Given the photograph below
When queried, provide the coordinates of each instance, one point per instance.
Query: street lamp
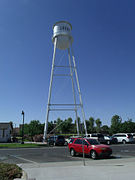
(23, 128)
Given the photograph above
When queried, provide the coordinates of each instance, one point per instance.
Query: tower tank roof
(63, 22)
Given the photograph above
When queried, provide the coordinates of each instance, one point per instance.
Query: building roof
(5, 125)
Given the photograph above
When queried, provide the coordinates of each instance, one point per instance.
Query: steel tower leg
(50, 90)
(71, 72)
(80, 97)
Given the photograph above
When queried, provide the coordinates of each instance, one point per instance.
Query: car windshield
(60, 137)
(108, 136)
(100, 136)
(72, 139)
(52, 138)
(93, 141)
(94, 135)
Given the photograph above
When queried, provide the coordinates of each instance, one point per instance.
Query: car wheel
(50, 144)
(124, 142)
(72, 152)
(93, 154)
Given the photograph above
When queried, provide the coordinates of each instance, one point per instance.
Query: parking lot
(57, 154)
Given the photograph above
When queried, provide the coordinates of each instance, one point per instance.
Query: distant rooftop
(5, 125)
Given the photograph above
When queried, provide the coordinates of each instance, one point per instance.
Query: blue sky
(104, 48)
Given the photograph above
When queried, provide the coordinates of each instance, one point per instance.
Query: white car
(68, 140)
(124, 138)
(110, 140)
(133, 134)
(97, 136)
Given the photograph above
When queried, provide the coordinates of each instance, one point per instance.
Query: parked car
(110, 140)
(124, 138)
(133, 134)
(91, 147)
(71, 139)
(97, 136)
(56, 140)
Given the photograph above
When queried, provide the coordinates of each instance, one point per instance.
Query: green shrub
(9, 171)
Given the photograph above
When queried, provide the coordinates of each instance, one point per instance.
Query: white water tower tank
(62, 31)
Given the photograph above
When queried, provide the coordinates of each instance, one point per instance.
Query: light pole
(22, 128)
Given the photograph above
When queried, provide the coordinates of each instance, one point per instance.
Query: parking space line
(23, 159)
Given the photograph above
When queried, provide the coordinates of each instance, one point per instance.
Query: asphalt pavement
(52, 163)
(55, 154)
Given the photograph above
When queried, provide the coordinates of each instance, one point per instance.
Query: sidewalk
(107, 169)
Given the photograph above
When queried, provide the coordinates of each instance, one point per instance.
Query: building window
(3, 133)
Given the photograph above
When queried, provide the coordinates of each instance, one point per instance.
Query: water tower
(62, 40)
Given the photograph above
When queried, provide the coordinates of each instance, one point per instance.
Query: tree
(35, 128)
(116, 122)
(98, 125)
(79, 124)
(50, 126)
(59, 125)
(91, 128)
(88, 126)
(11, 123)
(127, 126)
(26, 129)
(105, 129)
(66, 125)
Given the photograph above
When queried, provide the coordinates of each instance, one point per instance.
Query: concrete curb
(24, 176)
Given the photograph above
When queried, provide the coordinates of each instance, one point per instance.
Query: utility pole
(23, 128)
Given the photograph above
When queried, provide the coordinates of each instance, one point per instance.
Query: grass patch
(9, 171)
(17, 145)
